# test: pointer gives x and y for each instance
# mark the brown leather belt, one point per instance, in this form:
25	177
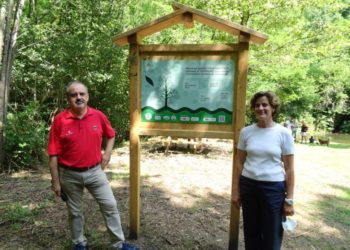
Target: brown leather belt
79	169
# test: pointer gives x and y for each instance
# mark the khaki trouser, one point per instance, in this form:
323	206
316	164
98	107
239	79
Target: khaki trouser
95	180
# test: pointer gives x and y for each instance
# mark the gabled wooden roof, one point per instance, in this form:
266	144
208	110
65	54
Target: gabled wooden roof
186	15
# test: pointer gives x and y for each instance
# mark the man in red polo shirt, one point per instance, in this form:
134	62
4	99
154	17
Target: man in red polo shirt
76	162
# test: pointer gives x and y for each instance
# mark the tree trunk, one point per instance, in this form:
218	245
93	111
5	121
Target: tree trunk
12	44
11	26
2	26
8	6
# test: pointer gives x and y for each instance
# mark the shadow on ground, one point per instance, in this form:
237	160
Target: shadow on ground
39	219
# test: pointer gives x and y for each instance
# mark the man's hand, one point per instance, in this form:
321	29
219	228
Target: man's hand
56	187
55	179
106	157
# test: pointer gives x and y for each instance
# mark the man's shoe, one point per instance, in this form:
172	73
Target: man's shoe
127	246
81	247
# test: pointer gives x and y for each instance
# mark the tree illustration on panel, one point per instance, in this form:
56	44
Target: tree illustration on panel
168	93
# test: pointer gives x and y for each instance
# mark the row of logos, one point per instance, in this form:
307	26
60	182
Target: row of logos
184	118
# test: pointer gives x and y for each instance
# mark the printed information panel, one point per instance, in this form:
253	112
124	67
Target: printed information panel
187	91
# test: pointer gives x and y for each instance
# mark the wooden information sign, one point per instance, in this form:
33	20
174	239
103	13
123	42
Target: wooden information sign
194	91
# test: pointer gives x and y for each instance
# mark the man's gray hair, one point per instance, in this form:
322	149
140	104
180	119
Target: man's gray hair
72	83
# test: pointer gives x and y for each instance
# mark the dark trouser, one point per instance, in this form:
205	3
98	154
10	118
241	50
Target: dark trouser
262	206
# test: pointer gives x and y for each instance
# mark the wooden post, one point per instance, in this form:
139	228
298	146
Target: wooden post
135	144
188	20
239	115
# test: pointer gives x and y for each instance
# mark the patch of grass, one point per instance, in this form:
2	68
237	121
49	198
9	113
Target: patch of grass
342	211
17	213
123	165
119	176
331	145
39	223
336	207
321	244
46	203
339	213
346	194
339	146
188	243
193	210
97	239
16	226
92	234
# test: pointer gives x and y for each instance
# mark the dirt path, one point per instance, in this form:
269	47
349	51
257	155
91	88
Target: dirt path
185	203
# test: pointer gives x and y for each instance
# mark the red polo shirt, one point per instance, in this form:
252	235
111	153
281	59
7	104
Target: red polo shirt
77	142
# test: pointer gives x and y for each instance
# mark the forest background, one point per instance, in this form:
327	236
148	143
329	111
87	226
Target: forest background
305	60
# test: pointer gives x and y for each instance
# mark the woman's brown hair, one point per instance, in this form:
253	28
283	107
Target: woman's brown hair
271	97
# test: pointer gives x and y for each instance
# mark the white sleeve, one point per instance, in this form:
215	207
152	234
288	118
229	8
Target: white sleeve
242	140
288	144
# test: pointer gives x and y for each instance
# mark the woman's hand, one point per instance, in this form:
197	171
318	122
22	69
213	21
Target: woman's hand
288	209
236	200
288	162
239	161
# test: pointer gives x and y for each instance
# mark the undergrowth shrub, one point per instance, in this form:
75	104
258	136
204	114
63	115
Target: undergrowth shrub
25	138
345	127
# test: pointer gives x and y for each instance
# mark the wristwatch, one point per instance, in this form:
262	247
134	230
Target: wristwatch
290	202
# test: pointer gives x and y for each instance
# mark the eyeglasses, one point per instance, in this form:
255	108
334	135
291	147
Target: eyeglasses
76	94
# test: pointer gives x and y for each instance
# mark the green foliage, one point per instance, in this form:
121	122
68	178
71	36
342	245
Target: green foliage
302	61
345	127
17	213
66	41
25	138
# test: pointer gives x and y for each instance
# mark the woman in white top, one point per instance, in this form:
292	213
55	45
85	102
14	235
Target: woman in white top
264	175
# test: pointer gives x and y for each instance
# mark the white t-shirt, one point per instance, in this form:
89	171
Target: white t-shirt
265	147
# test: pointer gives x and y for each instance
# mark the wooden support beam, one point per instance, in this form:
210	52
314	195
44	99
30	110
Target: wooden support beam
134	39
186	133
192	48
239	114
135	143
212	22
188	20
151	27
221	24
244	37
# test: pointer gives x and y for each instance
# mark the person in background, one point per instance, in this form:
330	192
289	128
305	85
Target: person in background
264	175
294	127
76	162
288	124
311	139
304	129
